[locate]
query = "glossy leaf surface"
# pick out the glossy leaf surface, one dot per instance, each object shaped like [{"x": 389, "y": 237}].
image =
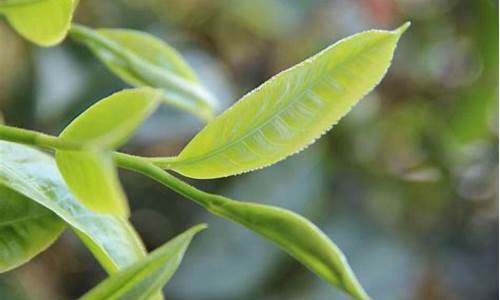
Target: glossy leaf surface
[
  {"x": 146, "y": 276},
  {"x": 141, "y": 59},
  {"x": 291, "y": 110},
  {"x": 35, "y": 175},
  {"x": 44, "y": 22},
  {"x": 90, "y": 174},
  {"x": 26, "y": 228}
]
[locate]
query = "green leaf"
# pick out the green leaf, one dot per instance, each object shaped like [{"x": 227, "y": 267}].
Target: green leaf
[
  {"x": 146, "y": 276},
  {"x": 110, "y": 122},
  {"x": 291, "y": 110},
  {"x": 26, "y": 229},
  {"x": 44, "y": 22},
  {"x": 141, "y": 59},
  {"x": 298, "y": 237},
  {"x": 35, "y": 175},
  {"x": 291, "y": 232},
  {"x": 106, "y": 125}
]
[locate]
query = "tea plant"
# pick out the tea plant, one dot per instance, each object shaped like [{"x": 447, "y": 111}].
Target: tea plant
[{"x": 78, "y": 187}]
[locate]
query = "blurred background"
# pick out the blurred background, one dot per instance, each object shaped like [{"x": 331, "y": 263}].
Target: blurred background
[{"x": 406, "y": 184}]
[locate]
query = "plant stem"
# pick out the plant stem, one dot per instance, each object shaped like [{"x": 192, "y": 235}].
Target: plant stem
[
  {"x": 35, "y": 138},
  {"x": 143, "y": 166},
  {"x": 131, "y": 162}
]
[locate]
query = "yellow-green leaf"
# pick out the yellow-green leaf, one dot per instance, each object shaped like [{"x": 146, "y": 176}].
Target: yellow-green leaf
[
  {"x": 44, "y": 22},
  {"x": 90, "y": 174},
  {"x": 141, "y": 59},
  {"x": 109, "y": 123},
  {"x": 26, "y": 228},
  {"x": 142, "y": 279},
  {"x": 289, "y": 111}
]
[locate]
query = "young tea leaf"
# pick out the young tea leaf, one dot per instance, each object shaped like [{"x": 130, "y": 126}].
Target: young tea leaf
[
  {"x": 141, "y": 59},
  {"x": 90, "y": 174},
  {"x": 146, "y": 276},
  {"x": 298, "y": 237},
  {"x": 26, "y": 228},
  {"x": 290, "y": 111},
  {"x": 291, "y": 232},
  {"x": 35, "y": 175},
  {"x": 44, "y": 22}
]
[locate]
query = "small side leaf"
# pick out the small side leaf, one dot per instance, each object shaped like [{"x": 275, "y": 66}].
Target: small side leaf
[
  {"x": 26, "y": 228},
  {"x": 35, "y": 175},
  {"x": 90, "y": 174},
  {"x": 297, "y": 236},
  {"x": 141, "y": 59},
  {"x": 142, "y": 279},
  {"x": 291, "y": 110},
  {"x": 44, "y": 22}
]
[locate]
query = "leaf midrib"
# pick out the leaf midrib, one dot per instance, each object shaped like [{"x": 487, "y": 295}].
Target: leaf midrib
[{"x": 251, "y": 132}]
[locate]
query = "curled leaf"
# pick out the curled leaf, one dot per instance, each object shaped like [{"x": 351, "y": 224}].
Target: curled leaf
[
  {"x": 290, "y": 111},
  {"x": 298, "y": 237},
  {"x": 141, "y": 59},
  {"x": 291, "y": 232}
]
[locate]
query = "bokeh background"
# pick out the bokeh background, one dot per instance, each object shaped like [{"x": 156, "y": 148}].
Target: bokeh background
[{"x": 406, "y": 184}]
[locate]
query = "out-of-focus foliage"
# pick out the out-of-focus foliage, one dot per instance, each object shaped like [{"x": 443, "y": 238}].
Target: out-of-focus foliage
[
  {"x": 407, "y": 184},
  {"x": 44, "y": 22}
]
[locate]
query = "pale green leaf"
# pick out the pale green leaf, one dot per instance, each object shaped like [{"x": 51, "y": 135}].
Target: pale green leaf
[
  {"x": 141, "y": 59},
  {"x": 90, "y": 174},
  {"x": 35, "y": 175},
  {"x": 291, "y": 232},
  {"x": 44, "y": 22},
  {"x": 298, "y": 237},
  {"x": 146, "y": 276},
  {"x": 289, "y": 111},
  {"x": 26, "y": 228}
]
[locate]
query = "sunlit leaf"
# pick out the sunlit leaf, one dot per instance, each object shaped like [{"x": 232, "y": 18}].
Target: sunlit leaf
[
  {"x": 26, "y": 228},
  {"x": 44, "y": 22},
  {"x": 35, "y": 175},
  {"x": 146, "y": 276},
  {"x": 289, "y": 111},
  {"x": 90, "y": 174},
  {"x": 141, "y": 59}
]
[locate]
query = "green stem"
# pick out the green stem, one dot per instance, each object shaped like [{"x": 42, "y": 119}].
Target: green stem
[
  {"x": 132, "y": 162},
  {"x": 24, "y": 136},
  {"x": 126, "y": 161},
  {"x": 143, "y": 166},
  {"x": 291, "y": 232}
]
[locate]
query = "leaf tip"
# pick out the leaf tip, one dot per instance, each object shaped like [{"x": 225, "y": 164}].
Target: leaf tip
[
  {"x": 401, "y": 29},
  {"x": 197, "y": 228}
]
